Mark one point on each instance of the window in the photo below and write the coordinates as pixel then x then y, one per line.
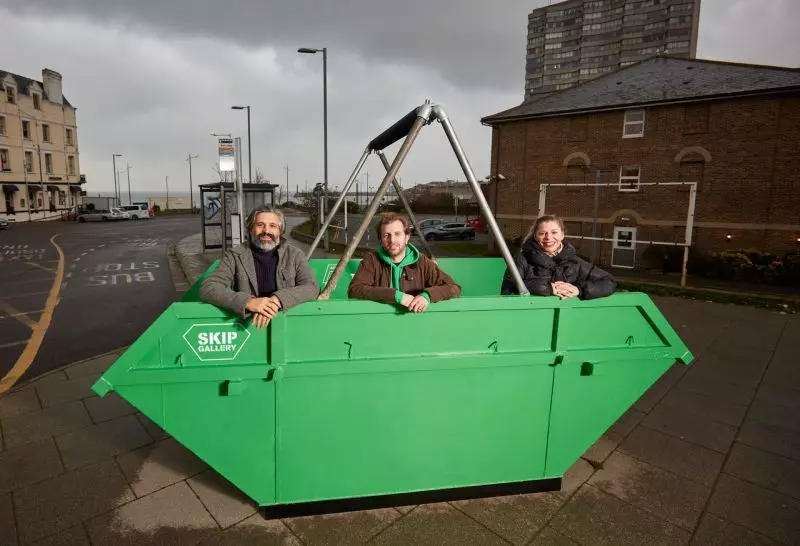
pixel 45 132
pixel 634 124
pixel 2 126
pixel 28 162
pixel 26 130
pixel 62 198
pixel 37 101
pixel 69 137
pixel 5 164
pixel 11 94
pixel 629 178
pixel 48 163
pixel 71 165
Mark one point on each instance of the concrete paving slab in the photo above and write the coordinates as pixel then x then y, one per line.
pixel 172 517
pixel 773 412
pixel 91 367
pixel 345 529
pixel 766 469
pixel 28 464
pixel 715 531
pixel 575 476
pixel 611 439
pixel 57 376
pixel 685 459
pixel 155 431
pixel 783 371
pixel 711 407
pixel 19 402
pixel 54 394
pixel 770 438
pixel 516 518
pixel 782 395
pixel 255 531
pixel 69 499
pixel 436 524
pixel 8 527
pixel 107 408
pixel 97 442
pixel 74 536
pixel 664 494
pixel 660 388
pixel 156 466
pixel 226 504
pixel 45 423
pixel 691 427
pixel 772 514
pixel 551 537
pixel 597 518
pixel 711 384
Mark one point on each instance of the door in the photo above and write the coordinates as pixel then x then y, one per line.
pixel 623 252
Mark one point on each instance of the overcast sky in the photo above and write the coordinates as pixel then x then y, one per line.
pixel 151 79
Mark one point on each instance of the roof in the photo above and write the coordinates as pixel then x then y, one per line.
pixel 659 79
pixel 23 83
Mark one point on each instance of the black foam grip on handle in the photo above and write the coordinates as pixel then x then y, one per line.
pixel 394 133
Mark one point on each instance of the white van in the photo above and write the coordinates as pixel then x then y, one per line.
pixel 137 212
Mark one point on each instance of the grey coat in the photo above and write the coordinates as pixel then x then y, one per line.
pixel 232 284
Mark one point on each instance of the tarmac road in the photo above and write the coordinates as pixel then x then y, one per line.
pixel 69 291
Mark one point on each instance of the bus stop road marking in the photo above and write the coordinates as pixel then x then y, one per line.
pixel 39 328
pixel 13 343
pixel 41 267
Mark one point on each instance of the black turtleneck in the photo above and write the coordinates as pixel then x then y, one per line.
pixel 266 262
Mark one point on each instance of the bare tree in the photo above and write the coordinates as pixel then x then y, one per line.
pixel 224 177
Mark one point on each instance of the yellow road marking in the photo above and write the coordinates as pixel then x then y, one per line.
pixel 13 312
pixel 41 267
pixel 39 329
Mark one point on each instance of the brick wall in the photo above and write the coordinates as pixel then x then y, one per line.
pixel 744 153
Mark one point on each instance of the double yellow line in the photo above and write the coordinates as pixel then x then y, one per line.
pixel 38 329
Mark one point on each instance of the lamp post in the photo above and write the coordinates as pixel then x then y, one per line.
pixel 189 158
pixel 324 51
pixel 114 161
pixel 128 168
pixel 249 150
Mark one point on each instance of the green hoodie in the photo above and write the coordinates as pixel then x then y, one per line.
pixel 411 257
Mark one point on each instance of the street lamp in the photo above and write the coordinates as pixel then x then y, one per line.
pixel 324 51
pixel 114 161
pixel 249 150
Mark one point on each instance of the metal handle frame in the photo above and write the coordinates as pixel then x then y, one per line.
pixel 410 126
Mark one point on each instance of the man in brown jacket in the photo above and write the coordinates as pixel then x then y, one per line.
pixel 399 273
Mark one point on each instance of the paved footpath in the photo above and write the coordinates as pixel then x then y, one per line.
pixel 709 455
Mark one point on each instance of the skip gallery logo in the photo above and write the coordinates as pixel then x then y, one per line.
pixel 217 341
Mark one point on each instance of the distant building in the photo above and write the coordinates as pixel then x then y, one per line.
pixel 578 40
pixel 39 157
pixel 734 129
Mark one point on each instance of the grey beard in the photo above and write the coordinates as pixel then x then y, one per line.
pixel 265 245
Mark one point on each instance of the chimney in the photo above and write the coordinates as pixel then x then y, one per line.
pixel 52 86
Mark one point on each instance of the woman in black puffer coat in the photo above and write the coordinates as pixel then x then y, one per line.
pixel 549 266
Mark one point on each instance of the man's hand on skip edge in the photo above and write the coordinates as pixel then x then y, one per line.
pixel 268 307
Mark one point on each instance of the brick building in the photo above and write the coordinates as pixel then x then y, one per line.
pixel 732 128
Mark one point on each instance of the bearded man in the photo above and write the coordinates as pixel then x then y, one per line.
pixel 263 275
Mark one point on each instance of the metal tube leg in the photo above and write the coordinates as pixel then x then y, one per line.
pixel 338 203
pixel 406 205
pixel 484 206
pixel 421 120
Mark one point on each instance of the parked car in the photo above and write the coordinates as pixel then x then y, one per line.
pixel 478 224
pixel 449 231
pixel 137 211
pixel 104 215
pixel 427 224
pixel 3 223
